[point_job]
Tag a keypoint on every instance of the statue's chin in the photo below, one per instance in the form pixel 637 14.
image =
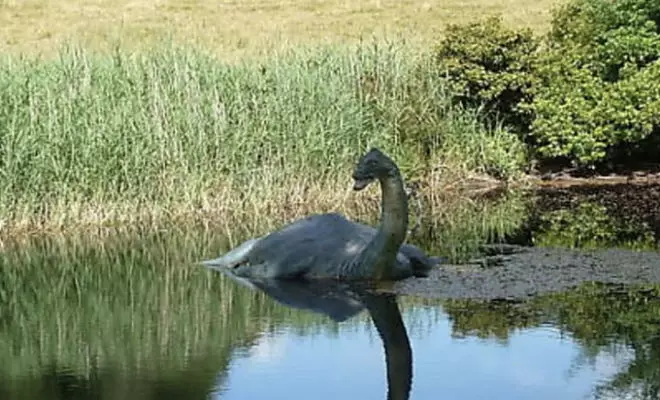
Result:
pixel 360 184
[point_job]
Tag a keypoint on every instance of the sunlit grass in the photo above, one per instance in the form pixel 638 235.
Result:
pixel 457 227
pixel 92 140
pixel 233 29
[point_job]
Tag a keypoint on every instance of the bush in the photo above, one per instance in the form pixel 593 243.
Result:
pixel 589 92
pixel 599 84
pixel 490 66
pixel 435 131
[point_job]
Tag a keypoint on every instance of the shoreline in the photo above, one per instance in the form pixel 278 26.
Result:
pixel 560 180
pixel 517 273
pixel 563 179
pixel 127 216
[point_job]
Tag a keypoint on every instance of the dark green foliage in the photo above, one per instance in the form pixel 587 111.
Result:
pixel 588 93
pixel 600 79
pixel 618 33
pixel 491 66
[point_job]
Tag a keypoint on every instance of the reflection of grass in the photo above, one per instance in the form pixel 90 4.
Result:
pixel 460 225
pixel 589 226
pixel 596 315
pixel 233 28
pixel 606 318
pixel 601 318
pixel 489 320
pixel 133 306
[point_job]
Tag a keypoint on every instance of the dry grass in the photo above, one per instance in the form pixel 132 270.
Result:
pixel 235 209
pixel 458 213
pixel 230 208
pixel 234 28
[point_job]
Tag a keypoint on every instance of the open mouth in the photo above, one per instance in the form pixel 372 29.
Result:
pixel 361 183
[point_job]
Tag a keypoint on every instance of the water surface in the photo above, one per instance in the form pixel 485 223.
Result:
pixel 130 316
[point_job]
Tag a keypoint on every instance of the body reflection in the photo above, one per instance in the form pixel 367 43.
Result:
pixel 387 319
pixel 341 301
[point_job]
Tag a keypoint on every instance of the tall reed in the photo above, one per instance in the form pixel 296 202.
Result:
pixel 94 139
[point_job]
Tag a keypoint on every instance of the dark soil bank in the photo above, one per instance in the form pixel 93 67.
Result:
pixel 517 273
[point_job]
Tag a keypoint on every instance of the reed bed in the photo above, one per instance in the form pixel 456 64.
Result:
pixel 96 140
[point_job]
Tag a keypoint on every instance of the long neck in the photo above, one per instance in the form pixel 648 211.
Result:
pixel 379 256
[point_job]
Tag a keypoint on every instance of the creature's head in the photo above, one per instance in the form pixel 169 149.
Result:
pixel 371 166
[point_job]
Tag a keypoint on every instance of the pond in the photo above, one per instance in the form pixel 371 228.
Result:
pixel 130 315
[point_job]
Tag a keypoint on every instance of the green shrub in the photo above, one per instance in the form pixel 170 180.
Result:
pixel 599 86
pixel 618 33
pixel 434 131
pixel 588 93
pixel 490 66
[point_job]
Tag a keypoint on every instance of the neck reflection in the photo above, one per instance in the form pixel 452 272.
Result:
pixel 341 301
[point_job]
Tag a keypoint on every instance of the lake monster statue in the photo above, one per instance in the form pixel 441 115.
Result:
pixel 331 246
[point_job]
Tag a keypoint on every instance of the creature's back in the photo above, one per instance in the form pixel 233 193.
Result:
pixel 316 245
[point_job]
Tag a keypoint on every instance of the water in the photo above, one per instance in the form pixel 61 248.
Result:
pixel 351 365
pixel 130 316
pixel 534 363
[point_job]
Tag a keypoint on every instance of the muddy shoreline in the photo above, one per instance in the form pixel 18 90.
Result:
pixel 568 180
pixel 628 210
pixel 512 272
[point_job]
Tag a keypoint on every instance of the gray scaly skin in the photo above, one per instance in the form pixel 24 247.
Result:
pixel 331 246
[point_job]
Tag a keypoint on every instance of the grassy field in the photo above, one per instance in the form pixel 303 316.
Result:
pixel 234 28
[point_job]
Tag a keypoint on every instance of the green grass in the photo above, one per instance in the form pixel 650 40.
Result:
pixel 90 139
pixel 460 227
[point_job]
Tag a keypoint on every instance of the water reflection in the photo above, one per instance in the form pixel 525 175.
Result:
pixel 342 300
pixel 132 316
pixel 607 321
pixel 456 357
pixel 606 216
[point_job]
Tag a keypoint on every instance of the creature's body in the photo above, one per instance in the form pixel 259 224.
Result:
pixel 331 246
pixel 319 246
